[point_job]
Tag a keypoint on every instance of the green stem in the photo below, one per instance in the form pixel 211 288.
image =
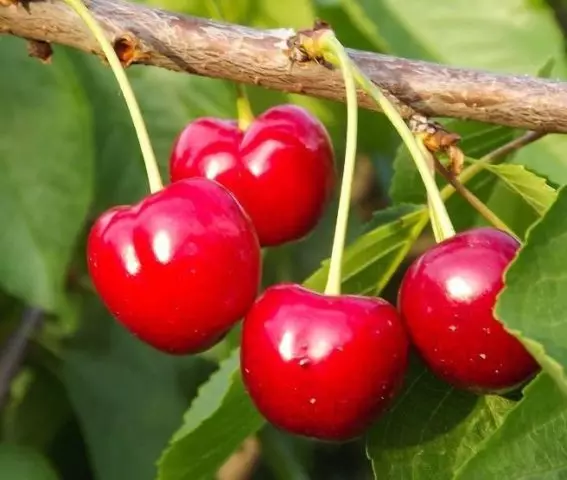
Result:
pixel 333 286
pixel 435 224
pixel 416 150
pixel 472 199
pixel 152 170
pixel 326 44
pixel 243 108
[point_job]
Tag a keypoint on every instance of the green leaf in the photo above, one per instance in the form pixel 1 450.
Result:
pixel 274 14
pixel 531 441
pixel 127 396
pixel 46 162
pixel 506 36
pixel 23 463
pixel 371 260
pixel 533 189
pixel 546 157
pixel 345 29
pixel 431 429
pixel 260 13
pixel 218 421
pixel 510 207
pixel 533 303
pixel 517 196
pixel 412 28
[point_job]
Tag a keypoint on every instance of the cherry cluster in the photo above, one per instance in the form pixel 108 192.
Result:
pixel 183 266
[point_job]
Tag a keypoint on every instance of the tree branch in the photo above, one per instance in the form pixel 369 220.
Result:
pixel 199 46
pixel 12 353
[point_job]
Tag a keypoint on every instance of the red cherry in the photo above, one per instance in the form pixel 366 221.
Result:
pixel 281 169
pixel 446 300
pixel 179 268
pixel 322 366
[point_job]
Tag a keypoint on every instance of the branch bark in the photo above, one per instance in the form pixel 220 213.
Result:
pixel 151 36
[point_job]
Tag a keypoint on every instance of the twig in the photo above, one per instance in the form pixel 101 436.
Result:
pixel 470 197
pixel 512 146
pixel 12 354
pixel 253 56
pixel 506 149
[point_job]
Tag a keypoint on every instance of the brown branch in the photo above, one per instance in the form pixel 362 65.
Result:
pixel 512 146
pixel 253 56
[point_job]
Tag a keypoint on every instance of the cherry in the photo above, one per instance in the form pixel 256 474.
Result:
pixel 281 169
pixel 322 366
pixel 446 300
pixel 179 268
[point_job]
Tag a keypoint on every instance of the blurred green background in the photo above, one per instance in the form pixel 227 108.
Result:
pixel 90 402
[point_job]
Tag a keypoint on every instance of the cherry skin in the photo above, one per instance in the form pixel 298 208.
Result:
pixel 281 169
pixel 322 366
pixel 446 300
pixel 179 268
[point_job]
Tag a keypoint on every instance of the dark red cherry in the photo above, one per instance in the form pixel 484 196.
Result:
pixel 446 300
pixel 178 269
pixel 281 169
pixel 322 366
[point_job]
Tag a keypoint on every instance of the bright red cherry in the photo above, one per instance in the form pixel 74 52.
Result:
pixel 446 300
pixel 178 269
pixel 281 169
pixel 322 366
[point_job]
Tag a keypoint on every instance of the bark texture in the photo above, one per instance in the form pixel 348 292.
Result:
pixel 145 35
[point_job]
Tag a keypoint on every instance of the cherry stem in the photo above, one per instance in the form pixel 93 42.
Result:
pixel 243 107
pixel 472 199
pixel 435 224
pixel 152 170
pixel 418 152
pixel 326 44
pixel 333 286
